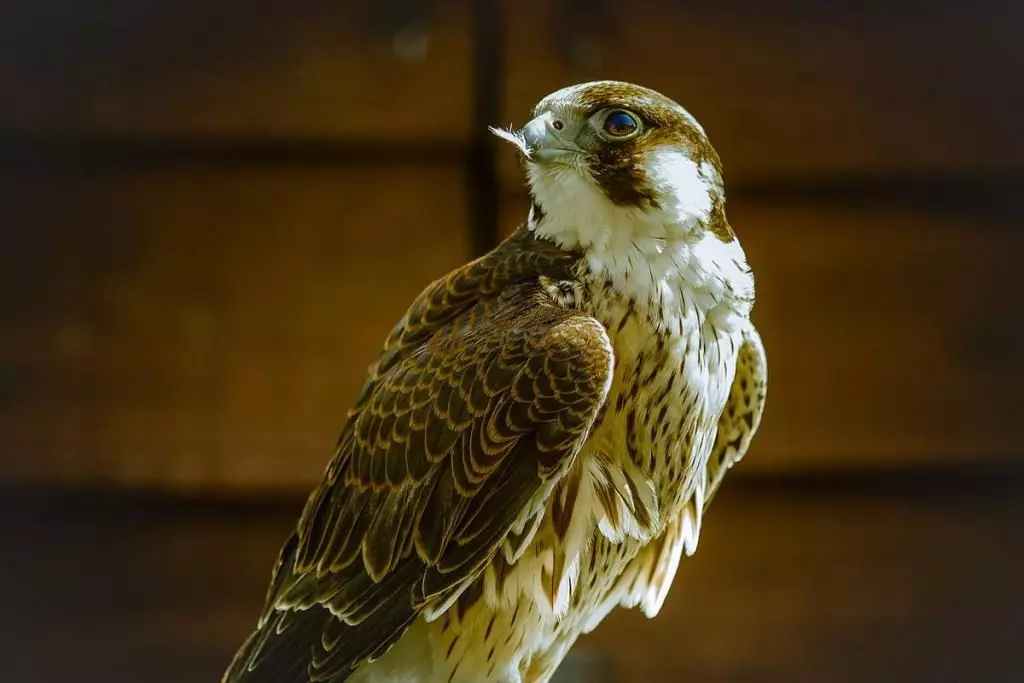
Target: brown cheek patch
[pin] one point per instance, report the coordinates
(618, 171)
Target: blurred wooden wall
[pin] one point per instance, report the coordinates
(213, 213)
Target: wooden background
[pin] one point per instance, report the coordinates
(212, 214)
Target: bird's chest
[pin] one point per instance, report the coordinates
(673, 369)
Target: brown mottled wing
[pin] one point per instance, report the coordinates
(648, 577)
(742, 415)
(448, 448)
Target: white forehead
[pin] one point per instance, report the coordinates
(642, 97)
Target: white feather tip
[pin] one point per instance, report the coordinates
(514, 137)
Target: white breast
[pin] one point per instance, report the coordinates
(652, 256)
(672, 378)
(673, 296)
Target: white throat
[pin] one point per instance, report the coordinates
(660, 257)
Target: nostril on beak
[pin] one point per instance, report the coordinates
(557, 124)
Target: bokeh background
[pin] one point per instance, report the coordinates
(212, 213)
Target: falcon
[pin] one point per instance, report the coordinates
(541, 435)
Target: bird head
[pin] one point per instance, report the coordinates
(628, 177)
(607, 154)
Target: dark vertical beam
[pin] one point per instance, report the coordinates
(481, 170)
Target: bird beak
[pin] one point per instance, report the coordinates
(546, 143)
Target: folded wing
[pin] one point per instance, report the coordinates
(449, 447)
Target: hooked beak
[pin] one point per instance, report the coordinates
(541, 139)
(545, 142)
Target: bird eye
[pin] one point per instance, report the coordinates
(620, 125)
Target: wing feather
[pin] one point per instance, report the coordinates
(447, 448)
(742, 415)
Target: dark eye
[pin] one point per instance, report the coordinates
(620, 124)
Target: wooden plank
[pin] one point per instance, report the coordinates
(244, 69)
(891, 332)
(789, 584)
(800, 90)
(205, 327)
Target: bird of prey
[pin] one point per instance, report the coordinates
(542, 433)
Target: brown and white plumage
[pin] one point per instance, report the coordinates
(539, 437)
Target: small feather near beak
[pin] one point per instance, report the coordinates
(513, 136)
